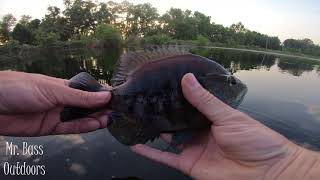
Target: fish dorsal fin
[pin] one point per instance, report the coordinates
(133, 60)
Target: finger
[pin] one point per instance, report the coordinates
(81, 126)
(103, 120)
(107, 86)
(52, 79)
(100, 113)
(204, 101)
(102, 117)
(167, 158)
(73, 97)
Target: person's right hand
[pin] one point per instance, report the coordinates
(236, 147)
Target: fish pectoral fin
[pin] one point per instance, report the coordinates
(84, 82)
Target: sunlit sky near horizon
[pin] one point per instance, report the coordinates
(283, 18)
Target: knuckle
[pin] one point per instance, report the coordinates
(85, 98)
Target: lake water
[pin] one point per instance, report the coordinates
(283, 94)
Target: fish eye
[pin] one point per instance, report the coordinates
(232, 81)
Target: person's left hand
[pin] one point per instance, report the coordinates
(30, 105)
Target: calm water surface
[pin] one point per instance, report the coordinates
(283, 94)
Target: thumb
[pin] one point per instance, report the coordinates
(74, 97)
(213, 108)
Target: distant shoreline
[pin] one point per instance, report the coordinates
(71, 46)
(271, 52)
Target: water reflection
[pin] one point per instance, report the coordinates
(235, 61)
(66, 63)
(100, 63)
(283, 94)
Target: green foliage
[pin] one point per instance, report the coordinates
(179, 24)
(133, 41)
(11, 44)
(87, 21)
(238, 28)
(298, 44)
(45, 39)
(53, 22)
(22, 34)
(103, 14)
(141, 19)
(158, 39)
(202, 41)
(25, 19)
(108, 35)
(80, 16)
(6, 24)
(305, 46)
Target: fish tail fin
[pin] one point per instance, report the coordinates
(85, 82)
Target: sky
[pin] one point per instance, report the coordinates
(283, 18)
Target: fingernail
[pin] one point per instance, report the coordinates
(191, 80)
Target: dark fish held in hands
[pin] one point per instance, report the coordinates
(147, 98)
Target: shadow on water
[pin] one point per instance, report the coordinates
(283, 94)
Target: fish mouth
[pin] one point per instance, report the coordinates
(242, 95)
(239, 91)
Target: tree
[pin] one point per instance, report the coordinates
(157, 39)
(22, 34)
(47, 38)
(217, 33)
(298, 44)
(25, 19)
(108, 35)
(7, 22)
(53, 22)
(202, 23)
(103, 15)
(119, 15)
(274, 43)
(80, 15)
(141, 19)
(305, 46)
(34, 24)
(238, 28)
(25, 30)
(179, 24)
(202, 40)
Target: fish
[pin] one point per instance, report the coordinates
(147, 98)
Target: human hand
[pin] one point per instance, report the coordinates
(30, 105)
(236, 147)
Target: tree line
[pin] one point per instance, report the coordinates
(85, 19)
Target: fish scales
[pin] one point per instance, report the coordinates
(147, 98)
